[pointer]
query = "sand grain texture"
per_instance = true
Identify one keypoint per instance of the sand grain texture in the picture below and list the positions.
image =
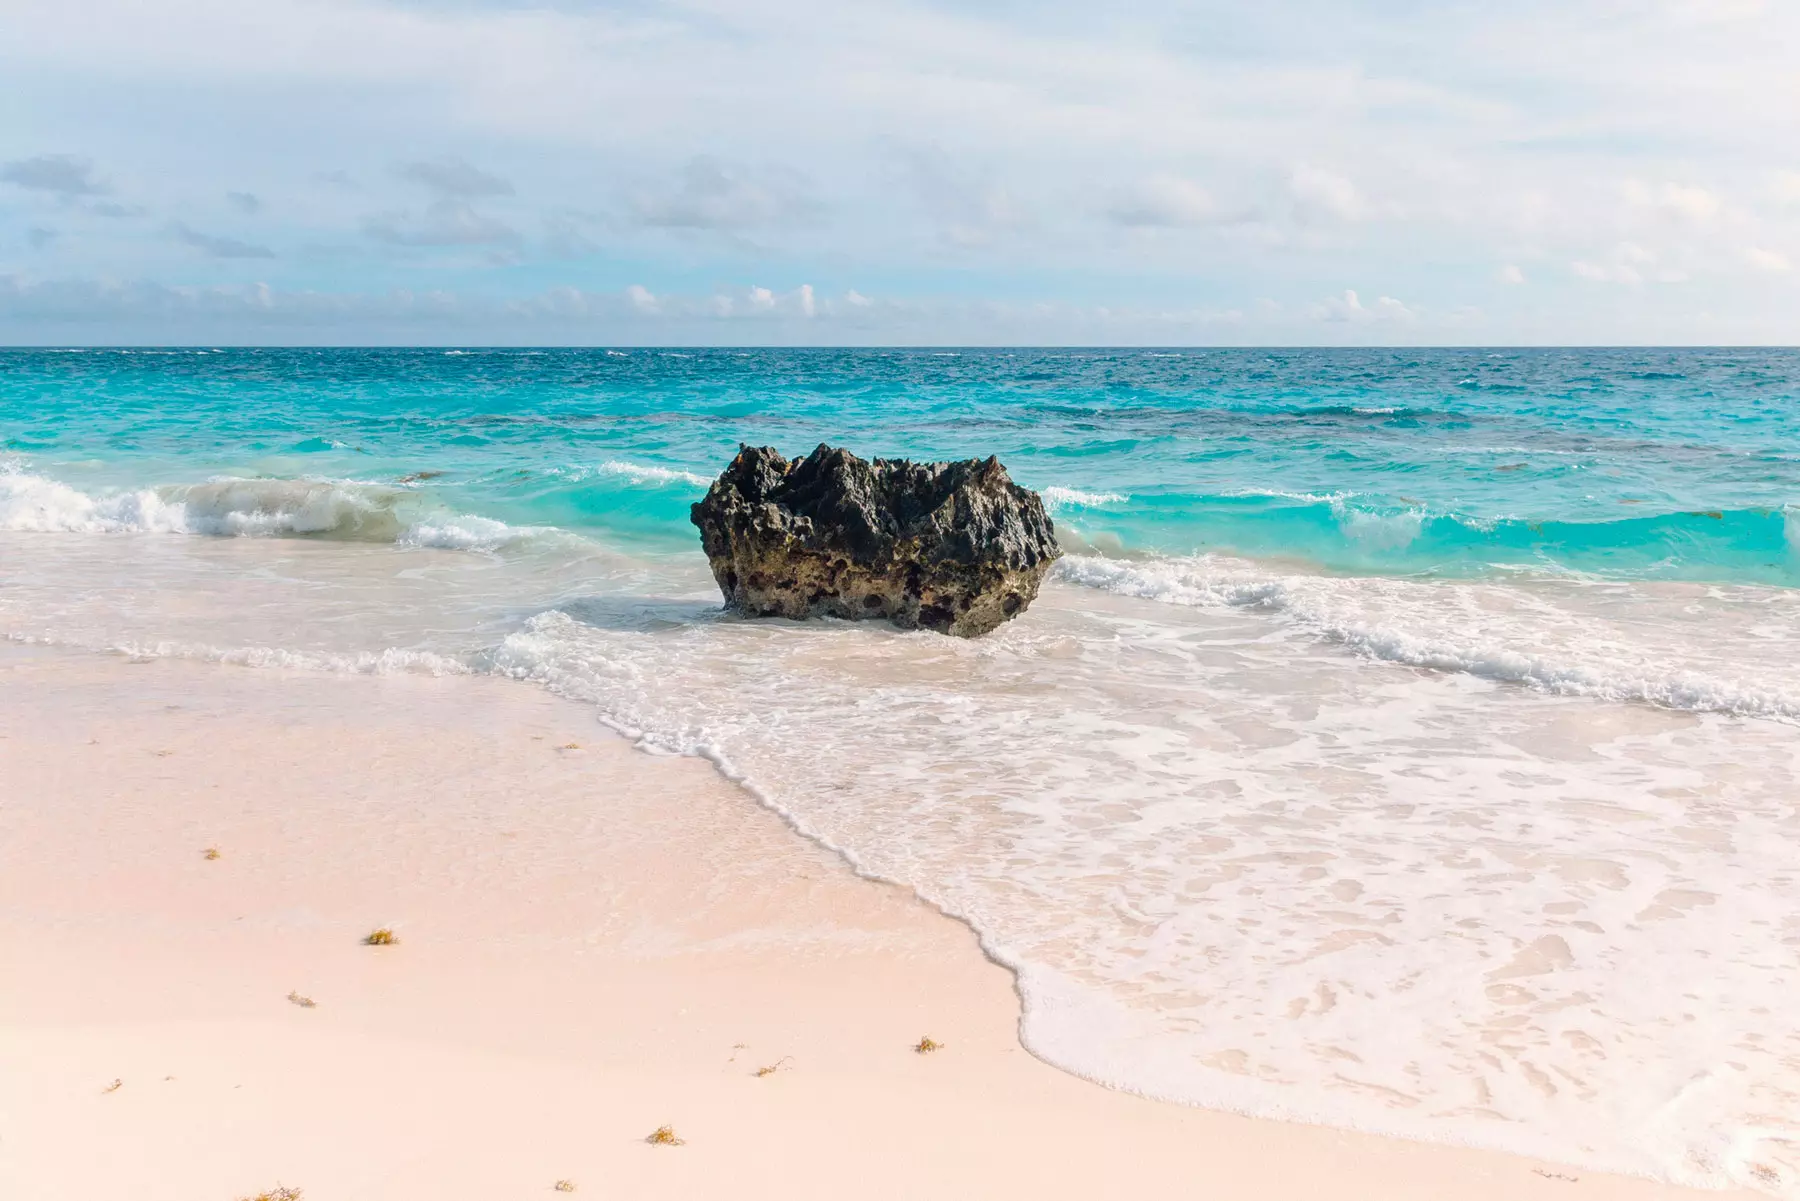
(591, 944)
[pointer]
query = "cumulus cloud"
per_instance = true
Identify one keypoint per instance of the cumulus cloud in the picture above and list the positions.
(217, 247)
(754, 304)
(1510, 274)
(64, 175)
(451, 176)
(1350, 308)
(711, 194)
(75, 310)
(444, 223)
(247, 203)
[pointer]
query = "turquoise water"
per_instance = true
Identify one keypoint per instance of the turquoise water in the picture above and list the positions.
(1673, 464)
(1408, 740)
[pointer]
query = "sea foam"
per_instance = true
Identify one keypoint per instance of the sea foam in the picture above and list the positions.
(643, 473)
(1057, 498)
(1552, 646)
(245, 508)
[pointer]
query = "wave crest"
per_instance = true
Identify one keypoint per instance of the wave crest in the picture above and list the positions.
(644, 473)
(1057, 498)
(244, 508)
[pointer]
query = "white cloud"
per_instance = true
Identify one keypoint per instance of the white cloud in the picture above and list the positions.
(641, 298)
(74, 310)
(1320, 193)
(761, 300)
(967, 150)
(1684, 201)
(1766, 260)
(807, 306)
(1165, 201)
(1350, 308)
(1510, 274)
(1630, 263)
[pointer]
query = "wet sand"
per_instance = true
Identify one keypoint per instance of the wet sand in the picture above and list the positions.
(593, 942)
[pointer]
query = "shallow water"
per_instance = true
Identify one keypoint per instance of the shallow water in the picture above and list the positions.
(1408, 742)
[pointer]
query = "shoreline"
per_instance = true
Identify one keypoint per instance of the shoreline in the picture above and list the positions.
(587, 933)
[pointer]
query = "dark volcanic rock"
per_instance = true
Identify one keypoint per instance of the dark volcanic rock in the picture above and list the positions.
(954, 547)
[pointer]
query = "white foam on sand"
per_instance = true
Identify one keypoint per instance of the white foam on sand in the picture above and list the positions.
(1374, 854)
(388, 661)
(1544, 641)
(1235, 867)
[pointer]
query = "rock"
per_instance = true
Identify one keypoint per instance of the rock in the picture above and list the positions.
(953, 547)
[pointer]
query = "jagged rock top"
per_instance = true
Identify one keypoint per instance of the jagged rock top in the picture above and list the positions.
(956, 547)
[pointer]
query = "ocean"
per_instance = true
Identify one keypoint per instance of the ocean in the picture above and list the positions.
(1408, 740)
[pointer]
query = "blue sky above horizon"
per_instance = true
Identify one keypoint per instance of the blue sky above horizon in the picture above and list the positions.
(802, 172)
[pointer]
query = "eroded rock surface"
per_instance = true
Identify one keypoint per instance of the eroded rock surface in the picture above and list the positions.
(953, 547)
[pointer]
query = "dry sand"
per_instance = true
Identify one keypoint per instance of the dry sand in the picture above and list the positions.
(593, 942)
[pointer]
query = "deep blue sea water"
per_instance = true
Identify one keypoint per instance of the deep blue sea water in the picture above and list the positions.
(1408, 740)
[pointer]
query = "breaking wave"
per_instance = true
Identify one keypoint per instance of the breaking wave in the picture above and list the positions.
(1058, 498)
(246, 508)
(641, 473)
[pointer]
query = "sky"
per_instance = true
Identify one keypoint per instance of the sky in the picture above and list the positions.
(819, 172)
